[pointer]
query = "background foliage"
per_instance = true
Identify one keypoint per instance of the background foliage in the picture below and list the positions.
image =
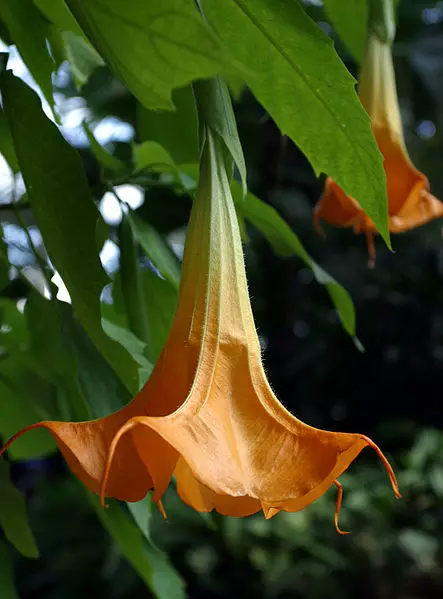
(55, 364)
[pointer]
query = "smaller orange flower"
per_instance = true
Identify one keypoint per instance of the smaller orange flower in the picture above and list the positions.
(410, 204)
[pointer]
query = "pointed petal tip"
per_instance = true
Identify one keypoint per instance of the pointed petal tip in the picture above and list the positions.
(386, 464)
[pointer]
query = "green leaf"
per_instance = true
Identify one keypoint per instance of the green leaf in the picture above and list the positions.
(6, 145)
(176, 131)
(131, 283)
(168, 37)
(309, 93)
(151, 564)
(65, 213)
(57, 12)
(106, 159)
(82, 58)
(102, 390)
(157, 250)
(152, 154)
(29, 31)
(350, 20)
(51, 355)
(160, 305)
(13, 515)
(24, 399)
(132, 344)
(7, 586)
(286, 243)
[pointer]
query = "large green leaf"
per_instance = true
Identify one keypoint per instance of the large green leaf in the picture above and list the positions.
(13, 518)
(350, 20)
(29, 31)
(64, 211)
(175, 131)
(153, 47)
(286, 243)
(151, 564)
(297, 76)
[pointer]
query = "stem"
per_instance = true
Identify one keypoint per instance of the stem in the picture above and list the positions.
(382, 20)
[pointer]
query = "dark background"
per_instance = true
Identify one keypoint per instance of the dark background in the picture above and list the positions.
(392, 392)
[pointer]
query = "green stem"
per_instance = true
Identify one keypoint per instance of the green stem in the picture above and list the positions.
(382, 20)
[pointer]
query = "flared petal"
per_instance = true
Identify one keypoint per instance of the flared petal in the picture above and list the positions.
(202, 499)
(410, 203)
(207, 412)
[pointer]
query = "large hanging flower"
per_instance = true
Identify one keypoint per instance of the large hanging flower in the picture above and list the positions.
(410, 204)
(207, 414)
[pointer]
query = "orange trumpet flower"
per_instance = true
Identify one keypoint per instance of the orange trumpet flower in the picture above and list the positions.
(207, 414)
(410, 204)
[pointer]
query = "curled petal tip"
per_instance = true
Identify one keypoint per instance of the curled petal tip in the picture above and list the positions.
(338, 508)
(162, 509)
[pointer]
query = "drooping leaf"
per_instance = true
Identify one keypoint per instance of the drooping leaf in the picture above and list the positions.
(286, 243)
(82, 58)
(102, 390)
(6, 145)
(169, 36)
(297, 76)
(157, 250)
(133, 345)
(25, 399)
(51, 355)
(106, 159)
(64, 211)
(58, 13)
(151, 564)
(7, 586)
(160, 303)
(29, 31)
(152, 154)
(131, 283)
(175, 131)
(350, 20)
(13, 518)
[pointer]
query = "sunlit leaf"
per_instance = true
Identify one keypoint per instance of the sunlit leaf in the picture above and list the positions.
(29, 31)
(82, 58)
(54, 177)
(13, 517)
(297, 76)
(169, 37)
(152, 154)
